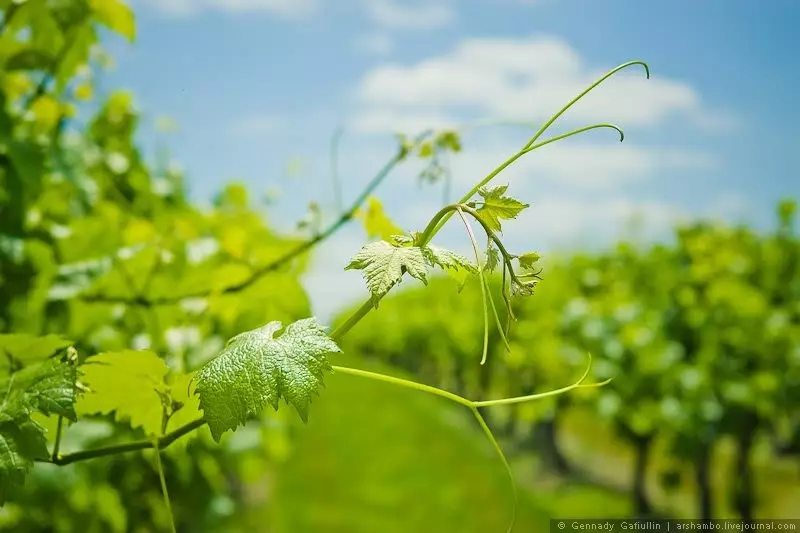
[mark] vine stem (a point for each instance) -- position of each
(484, 289)
(489, 435)
(57, 444)
(404, 383)
(162, 443)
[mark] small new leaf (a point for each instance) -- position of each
(376, 222)
(448, 259)
(496, 207)
(527, 261)
(448, 140)
(256, 368)
(384, 265)
(492, 259)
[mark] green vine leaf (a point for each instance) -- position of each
(448, 259)
(47, 387)
(256, 368)
(496, 207)
(21, 443)
(24, 349)
(492, 259)
(384, 265)
(527, 261)
(133, 385)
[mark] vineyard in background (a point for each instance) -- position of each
(701, 337)
(101, 250)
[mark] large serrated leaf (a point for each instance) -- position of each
(256, 369)
(133, 385)
(20, 445)
(125, 383)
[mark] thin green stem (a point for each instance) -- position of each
(115, 449)
(497, 322)
(483, 285)
(528, 148)
(427, 234)
(57, 444)
(603, 125)
(354, 319)
(489, 435)
(494, 238)
(586, 91)
(403, 383)
(531, 397)
(164, 490)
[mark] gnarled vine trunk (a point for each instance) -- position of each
(641, 502)
(744, 487)
(702, 470)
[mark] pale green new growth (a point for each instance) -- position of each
(256, 368)
(447, 259)
(527, 261)
(492, 259)
(384, 265)
(495, 206)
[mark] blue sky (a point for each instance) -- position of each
(259, 86)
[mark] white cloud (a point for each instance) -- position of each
(505, 78)
(585, 166)
(421, 14)
(375, 43)
(292, 9)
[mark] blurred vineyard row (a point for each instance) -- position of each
(701, 337)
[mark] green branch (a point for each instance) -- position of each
(115, 449)
(281, 261)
